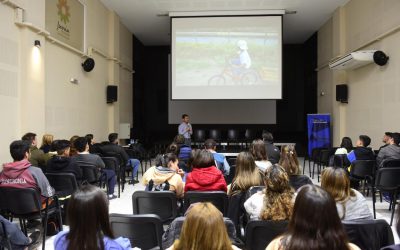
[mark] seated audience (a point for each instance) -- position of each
(112, 147)
(47, 139)
(246, 175)
(345, 146)
(259, 153)
(220, 160)
(391, 151)
(174, 149)
(315, 224)
(166, 173)
(275, 202)
(72, 150)
(361, 151)
(89, 223)
(385, 140)
(351, 204)
(62, 162)
(91, 142)
(82, 146)
(273, 152)
(22, 174)
(183, 149)
(205, 176)
(203, 228)
(36, 157)
(17, 238)
(290, 163)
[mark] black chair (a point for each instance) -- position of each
(391, 164)
(161, 203)
(144, 231)
(112, 163)
(387, 180)
(122, 166)
(218, 198)
(231, 175)
(232, 136)
(339, 161)
(92, 175)
(248, 136)
(316, 159)
(4, 237)
(26, 204)
(252, 190)
(369, 234)
(260, 233)
(199, 135)
(215, 134)
(364, 171)
(63, 183)
(134, 154)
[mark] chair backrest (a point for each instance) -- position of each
(339, 160)
(111, 163)
(231, 160)
(20, 201)
(199, 135)
(231, 175)
(215, 134)
(252, 190)
(391, 164)
(260, 233)
(218, 198)
(316, 154)
(233, 135)
(63, 183)
(161, 203)
(144, 231)
(363, 168)
(387, 179)
(249, 134)
(90, 173)
(325, 154)
(369, 234)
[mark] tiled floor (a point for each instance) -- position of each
(123, 205)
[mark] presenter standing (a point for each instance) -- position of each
(185, 129)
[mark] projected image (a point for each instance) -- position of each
(235, 57)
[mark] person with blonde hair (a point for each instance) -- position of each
(203, 228)
(289, 162)
(350, 203)
(246, 175)
(276, 200)
(47, 140)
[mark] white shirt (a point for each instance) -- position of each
(263, 165)
(245, 59)
(254, 205)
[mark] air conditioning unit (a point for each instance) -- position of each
(358, 59)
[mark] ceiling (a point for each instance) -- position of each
(142, 18)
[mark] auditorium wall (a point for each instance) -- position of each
(35, 90)
(374, 91)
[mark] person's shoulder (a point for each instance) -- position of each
(353, 246)
(275, 244)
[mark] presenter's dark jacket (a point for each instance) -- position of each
(273, 152)
(205, 179)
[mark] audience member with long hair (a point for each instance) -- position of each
(350, 203)
(89, 223)
(166, 172)
(259, 153)
(47, 139)
(345, 146)
(276, 201)
(290, 163)
(314, 225)
(205, 176)
(246, 175)
(73, 151)
(203, 228)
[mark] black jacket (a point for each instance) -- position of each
(62, 164)
(364, 153)
(110, 149)
(273, 152)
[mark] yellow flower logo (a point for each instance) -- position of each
(63, 11)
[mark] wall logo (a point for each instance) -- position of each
(64, 16)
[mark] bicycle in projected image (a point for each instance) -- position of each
(235, 74)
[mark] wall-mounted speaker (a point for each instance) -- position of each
(342, 93)
(88, 64)
(112, 93)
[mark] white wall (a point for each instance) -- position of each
(35, 92)
(374, 92)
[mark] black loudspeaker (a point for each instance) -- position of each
(112, 93)
(88, 64)
(341, 93)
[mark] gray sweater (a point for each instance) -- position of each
(390, 152)
(355, 208)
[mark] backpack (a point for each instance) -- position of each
(160, 187)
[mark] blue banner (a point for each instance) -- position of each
(319, 131)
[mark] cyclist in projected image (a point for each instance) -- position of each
(237, 69)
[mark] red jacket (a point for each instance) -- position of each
(205, 179)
